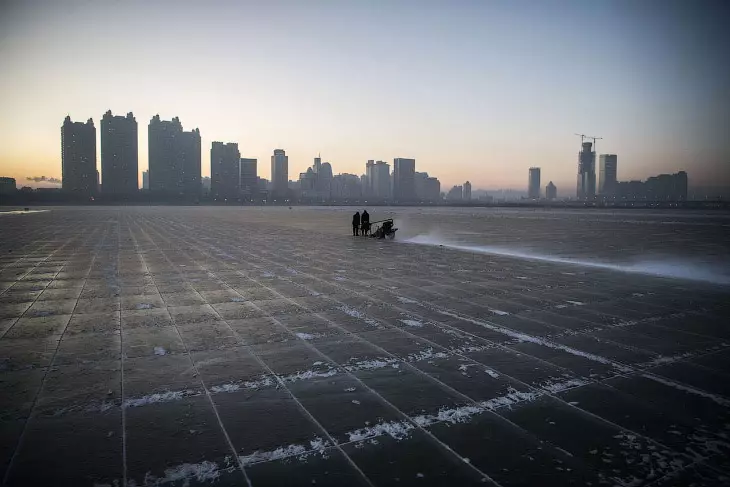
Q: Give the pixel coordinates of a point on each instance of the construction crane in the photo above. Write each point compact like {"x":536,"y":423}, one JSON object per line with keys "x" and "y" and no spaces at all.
{"x":584,"y":136}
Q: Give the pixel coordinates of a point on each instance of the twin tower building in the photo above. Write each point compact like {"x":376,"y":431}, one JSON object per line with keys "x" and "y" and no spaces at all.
{"x":174,"y":159}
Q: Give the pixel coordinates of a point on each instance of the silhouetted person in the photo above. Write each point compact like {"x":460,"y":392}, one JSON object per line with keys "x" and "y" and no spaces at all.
{"x":365,"y":225}
{"x":355,"y":223}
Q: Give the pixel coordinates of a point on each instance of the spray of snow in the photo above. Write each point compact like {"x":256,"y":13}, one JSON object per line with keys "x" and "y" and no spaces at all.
{"x":680,"y":269}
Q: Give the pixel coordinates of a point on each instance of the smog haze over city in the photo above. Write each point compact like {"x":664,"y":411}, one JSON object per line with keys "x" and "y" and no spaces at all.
{"x":364,"y":243}
{"x":472,"y":90}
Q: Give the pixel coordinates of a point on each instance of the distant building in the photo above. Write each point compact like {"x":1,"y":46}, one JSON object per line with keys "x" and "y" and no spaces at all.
{"x":307,"y":183}
{"x":205,"y":185}
{"x":368,"y":188}
{"x":404,"y":174}
{"x":7,"y":186}
{"x":249,"y":179}
{"x":324,"y":180}
{"x":467,"y":191}
{"x":78,"y":157}
{"x":607,"y":171}
{"x":664,"y":187}
{"x":433,"y":190}
{"x":119,"y":155}
{"x":381,"y":183}
{"x":551,"y":192}
{"x":146,"y":180}
{"x":225,"y":160}
{"x":533,"y":185}
{"x":420,"y":179}
{"x":456,"y":193}
{"x":346,"y":187}
{"x":279,"y":174}
{"x":174,"y":158}
{"x":586,"y":172}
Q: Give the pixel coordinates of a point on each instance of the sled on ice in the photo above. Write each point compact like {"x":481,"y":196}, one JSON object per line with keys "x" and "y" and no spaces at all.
{"x":384,"y":230}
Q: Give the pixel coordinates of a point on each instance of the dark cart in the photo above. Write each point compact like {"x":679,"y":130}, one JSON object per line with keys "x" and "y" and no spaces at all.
{"x":384,"y":230}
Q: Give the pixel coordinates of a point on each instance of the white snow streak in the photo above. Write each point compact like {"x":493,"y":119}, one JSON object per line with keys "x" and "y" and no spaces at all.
{"x":412,"y":323}
{"x":377,"y":363}
{"x":201,"y":472}
{"x":539,"y":341}
{"x":498,"y":312}
{"x":394,"y":429}
{"x":719,"y":400}
{"x":317,"y":445}
{"x":562,"y":385}
{"x":159,"y":397}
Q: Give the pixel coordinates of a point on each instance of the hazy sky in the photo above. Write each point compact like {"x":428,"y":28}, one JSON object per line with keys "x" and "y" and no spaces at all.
{"x":476,"y":90}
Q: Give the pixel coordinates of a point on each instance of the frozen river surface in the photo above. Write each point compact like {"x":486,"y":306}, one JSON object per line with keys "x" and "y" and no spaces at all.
{"x":267,"y":346}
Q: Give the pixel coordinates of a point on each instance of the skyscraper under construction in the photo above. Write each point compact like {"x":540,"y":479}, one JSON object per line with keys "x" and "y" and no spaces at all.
{"x":586,"y":172}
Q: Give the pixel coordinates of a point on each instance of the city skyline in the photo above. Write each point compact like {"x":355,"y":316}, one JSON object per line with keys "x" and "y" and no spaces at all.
{"x":462,"y":108}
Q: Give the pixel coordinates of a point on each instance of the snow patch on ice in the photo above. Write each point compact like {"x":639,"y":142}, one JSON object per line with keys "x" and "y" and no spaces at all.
{"x":305,"y":336}
{"x":159,"y":397}
{"x":144,"y":306}
{"x":412,"y":323}
{"x":377,"y":363}
{"x":356,"y":314}
{"x":201,"y":472}
{"x":265,"y":381}
{"x":160,"y":351}
{"x":498,"y":312}
{"x":395,"y":429}
{"x":425,"y":355}
{"x":308,"y":374}
{"x":406,"y":300}
{"x":268,"y":456}
{"x":576,"y":303}
{"x":492,"y":373}
{"x":555,"y":386}
{"x":464,"y":414}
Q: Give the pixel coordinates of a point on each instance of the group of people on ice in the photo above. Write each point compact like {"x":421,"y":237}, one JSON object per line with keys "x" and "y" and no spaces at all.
{"x":361,"y":226}
{"x":361,"y":223}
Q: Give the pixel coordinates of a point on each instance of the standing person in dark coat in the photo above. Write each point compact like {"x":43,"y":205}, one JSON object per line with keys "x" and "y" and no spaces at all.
{"x":355,"y":223}
{"x":365,"y":219}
